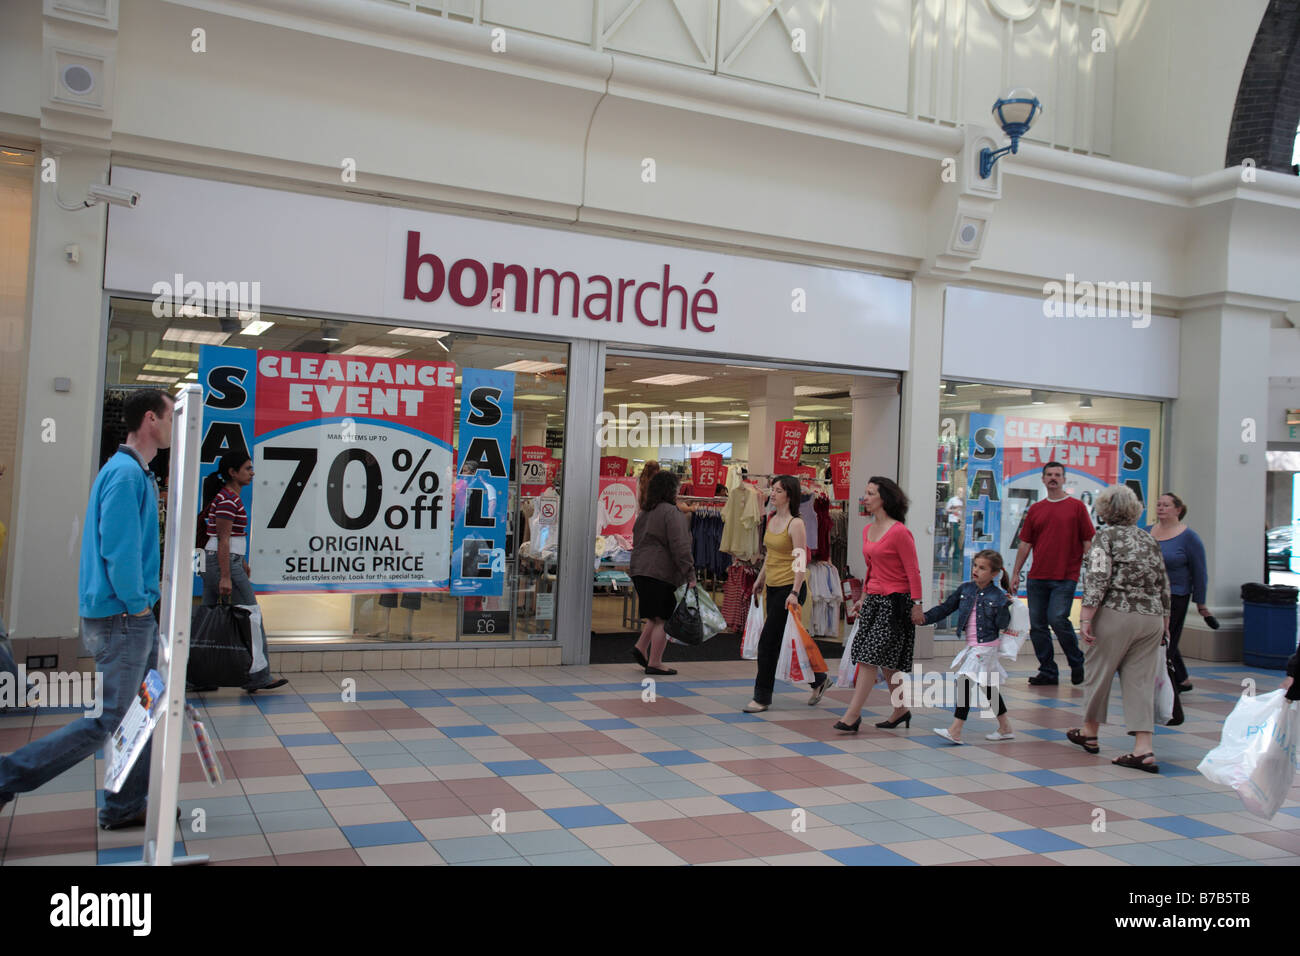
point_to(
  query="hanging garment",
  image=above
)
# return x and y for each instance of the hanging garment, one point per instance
(737, 595)
(821, 551)
(807, 511)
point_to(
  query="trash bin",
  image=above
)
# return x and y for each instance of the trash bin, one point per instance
(1269, 625)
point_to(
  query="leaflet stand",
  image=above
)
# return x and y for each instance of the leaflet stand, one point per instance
(174, 636)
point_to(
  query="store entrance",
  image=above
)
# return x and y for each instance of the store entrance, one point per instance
(714, 426)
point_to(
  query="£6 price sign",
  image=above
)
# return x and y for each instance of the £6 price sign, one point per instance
(352, 461)
(617, 505)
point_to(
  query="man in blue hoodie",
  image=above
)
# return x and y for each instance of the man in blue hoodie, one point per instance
(119, 586)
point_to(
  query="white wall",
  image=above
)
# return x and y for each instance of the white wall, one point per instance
(1178, 66)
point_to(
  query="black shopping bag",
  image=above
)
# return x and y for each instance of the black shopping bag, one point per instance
(686, 625)
(221, 646)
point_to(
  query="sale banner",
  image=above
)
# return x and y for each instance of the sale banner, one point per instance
(616, 506)
(805, 473)
(353, 461)
(788, 446)
(611, 466)
(840, 475)
(1005, 465)
(706, 471)
(535, 474)
(478, 543)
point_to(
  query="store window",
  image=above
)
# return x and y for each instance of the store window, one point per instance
(693, 419)
(395, 492)
(993, 443)
(17, 169)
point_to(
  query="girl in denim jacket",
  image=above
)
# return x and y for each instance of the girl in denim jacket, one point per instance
(983, 612)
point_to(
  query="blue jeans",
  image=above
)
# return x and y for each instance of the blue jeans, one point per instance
(7, 665)
(1049, 605)
(125, 648)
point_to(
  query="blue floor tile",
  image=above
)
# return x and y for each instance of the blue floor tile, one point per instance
(814, 749)
(753, 802)
(423, 698)
(469, 730)
(911, 788)
(132, 854)
(1045, 778)
(517, 768)
(869, 856)
(544, 841)
(382, 834)
(307, 740)
(479, 849)
(592, 816)
(340, 779)
(1185, 826)
(1039, 841)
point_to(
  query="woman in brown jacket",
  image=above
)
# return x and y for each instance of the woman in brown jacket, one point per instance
(661, 562)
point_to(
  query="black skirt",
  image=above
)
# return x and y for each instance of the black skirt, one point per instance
(885, 635)
(655, 598)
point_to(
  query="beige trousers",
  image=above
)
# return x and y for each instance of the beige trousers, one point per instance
(1126, 643)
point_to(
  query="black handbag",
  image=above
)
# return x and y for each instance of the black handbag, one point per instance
(221, 646)
(685, 625)
(1176, 717)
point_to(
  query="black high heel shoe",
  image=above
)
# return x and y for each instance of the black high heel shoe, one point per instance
(848, 728)
(906, 720)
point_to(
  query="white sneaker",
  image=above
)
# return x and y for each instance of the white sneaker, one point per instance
(949, 737)
(999, 735)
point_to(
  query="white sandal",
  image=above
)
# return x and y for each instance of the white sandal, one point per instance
(950, 738)
(999, 735)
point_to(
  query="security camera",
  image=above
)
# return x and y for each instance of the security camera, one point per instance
(117, 195)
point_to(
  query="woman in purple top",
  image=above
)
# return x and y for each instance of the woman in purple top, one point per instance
(1185, 562)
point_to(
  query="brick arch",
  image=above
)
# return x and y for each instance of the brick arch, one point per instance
(1267, 111)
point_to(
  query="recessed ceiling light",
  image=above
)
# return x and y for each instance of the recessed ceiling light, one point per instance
(332, 333)
(537, 398)
(672, 379)
(176, 356)
(817, 408)
(192, 377)
(640, 405)
(166, 368)
(814, 390)
(159, 379)
(611, 391)
(256, 327)
(196, 336)
(419, 333)
(531, 368)
(1085, 401)
(373, 351)
(708, 399)
(726, 421)
(1037, 397)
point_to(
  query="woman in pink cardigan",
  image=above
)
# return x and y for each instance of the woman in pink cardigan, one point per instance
(890, 607)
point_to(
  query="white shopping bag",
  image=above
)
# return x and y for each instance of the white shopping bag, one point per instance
(1257, 753)
(753, 631)
(1016, 631)
(848, 675)
(1164, 689)
(793, 664)
(255, 630)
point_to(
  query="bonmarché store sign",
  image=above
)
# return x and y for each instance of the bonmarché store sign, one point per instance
(342, 257)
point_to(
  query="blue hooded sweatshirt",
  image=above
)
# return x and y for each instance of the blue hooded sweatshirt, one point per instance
(120, 560)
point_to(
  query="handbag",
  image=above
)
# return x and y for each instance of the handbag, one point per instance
(710, 617)
(221, 646)
(686, 626)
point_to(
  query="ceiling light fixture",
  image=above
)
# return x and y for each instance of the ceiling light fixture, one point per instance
(373, 351)
(332, 333)
(1085, 401)
(419, 333)
(195, 336)
(256, 327)
(531, 368)
(673, 379)
(1037, 397)
(950, 388)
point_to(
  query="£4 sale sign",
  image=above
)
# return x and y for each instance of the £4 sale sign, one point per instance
(352, 461)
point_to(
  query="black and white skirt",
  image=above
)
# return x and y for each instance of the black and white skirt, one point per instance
(885, 635)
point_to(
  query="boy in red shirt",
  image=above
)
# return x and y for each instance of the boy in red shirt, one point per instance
(1058, 531)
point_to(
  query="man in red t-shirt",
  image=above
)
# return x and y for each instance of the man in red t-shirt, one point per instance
(1058, 531)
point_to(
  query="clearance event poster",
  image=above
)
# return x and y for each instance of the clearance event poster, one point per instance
(1005, 465)
(352, 462)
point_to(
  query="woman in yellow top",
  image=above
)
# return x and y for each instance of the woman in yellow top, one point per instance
(783, 573)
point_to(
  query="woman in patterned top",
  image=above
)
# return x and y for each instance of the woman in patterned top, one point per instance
(225, 570)
(1125, 615)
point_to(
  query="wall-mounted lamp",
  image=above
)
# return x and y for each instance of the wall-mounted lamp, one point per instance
(1015, 113)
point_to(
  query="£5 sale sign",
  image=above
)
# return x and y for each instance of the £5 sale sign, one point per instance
(352, 460)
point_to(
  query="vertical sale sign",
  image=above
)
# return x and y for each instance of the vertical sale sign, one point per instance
(788, 446)
(353, 462)
(482, 483)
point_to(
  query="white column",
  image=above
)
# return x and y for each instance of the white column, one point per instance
(1217, 463)
(65, 339)
(875, 408)
(771, 400)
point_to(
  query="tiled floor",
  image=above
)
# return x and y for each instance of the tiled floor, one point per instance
(571, 766)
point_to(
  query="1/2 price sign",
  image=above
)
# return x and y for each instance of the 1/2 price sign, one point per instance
(616, 506)
(352, 461)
